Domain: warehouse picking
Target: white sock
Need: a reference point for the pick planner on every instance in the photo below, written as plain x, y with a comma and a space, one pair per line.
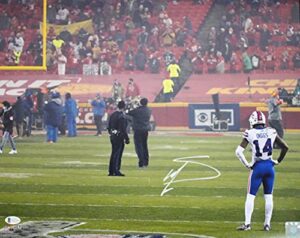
268, 208
249, 207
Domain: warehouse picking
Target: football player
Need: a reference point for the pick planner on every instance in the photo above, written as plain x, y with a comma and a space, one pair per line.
261, 140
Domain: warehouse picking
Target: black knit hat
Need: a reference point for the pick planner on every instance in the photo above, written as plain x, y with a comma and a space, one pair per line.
6, 104
144, 101
121, 104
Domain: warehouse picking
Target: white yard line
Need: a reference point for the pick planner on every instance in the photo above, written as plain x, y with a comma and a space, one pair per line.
125, 195
98, 205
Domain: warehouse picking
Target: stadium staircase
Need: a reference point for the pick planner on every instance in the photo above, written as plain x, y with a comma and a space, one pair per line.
203, 17
197, 14
212, 20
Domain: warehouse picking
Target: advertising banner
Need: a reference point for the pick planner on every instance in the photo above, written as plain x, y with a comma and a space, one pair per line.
203, 116
82, 87
235, 88
72, 28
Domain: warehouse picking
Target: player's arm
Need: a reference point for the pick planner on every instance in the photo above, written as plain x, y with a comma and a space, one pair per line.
283, 146
239, 152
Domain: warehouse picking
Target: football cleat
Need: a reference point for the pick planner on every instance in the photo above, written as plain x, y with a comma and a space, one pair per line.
244, 227
119, 174
1, 152
267, 227
12, 152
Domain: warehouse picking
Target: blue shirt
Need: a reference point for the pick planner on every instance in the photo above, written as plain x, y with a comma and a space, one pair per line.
98, 107
71, 108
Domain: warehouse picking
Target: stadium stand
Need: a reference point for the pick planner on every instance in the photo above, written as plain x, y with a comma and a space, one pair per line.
142, 37
152, 28
19, 32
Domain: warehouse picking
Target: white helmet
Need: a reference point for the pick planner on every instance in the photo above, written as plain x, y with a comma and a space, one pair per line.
257, 117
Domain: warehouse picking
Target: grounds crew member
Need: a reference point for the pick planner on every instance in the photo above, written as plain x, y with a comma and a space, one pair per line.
141, 126
174, 70
118, 135
168, 90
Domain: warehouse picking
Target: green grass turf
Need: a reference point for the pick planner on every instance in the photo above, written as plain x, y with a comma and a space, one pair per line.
68, 181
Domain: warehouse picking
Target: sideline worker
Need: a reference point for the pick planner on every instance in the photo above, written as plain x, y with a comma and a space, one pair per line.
71, 114
118, 135
168, 90
141, 126
275, 117
99, 107
174, 70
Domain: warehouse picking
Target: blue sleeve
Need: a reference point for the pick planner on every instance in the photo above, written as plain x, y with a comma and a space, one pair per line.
93, 103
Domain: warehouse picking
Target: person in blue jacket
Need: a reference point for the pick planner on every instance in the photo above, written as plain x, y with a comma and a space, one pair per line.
71, 114
99, 107
53, 117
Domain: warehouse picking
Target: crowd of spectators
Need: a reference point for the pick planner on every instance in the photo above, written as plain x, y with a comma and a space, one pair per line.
129, 35
20, 38
262, 36
141, 35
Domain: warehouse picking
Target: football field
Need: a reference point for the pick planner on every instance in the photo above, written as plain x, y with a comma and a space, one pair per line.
193, 187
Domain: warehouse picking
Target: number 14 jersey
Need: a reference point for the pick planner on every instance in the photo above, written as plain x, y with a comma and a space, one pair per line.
261, 141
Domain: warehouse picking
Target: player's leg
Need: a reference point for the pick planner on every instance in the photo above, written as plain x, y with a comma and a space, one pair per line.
249, 207
268, 211
268, 183
254, 182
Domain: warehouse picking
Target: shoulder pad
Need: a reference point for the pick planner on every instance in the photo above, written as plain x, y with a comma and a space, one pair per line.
272, 130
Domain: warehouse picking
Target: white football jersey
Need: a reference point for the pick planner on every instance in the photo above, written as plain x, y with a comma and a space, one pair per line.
261, 141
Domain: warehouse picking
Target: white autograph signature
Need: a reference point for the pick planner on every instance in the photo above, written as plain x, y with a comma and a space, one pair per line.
171, 176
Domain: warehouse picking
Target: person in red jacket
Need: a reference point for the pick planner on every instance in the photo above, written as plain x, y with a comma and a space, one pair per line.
132, 90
